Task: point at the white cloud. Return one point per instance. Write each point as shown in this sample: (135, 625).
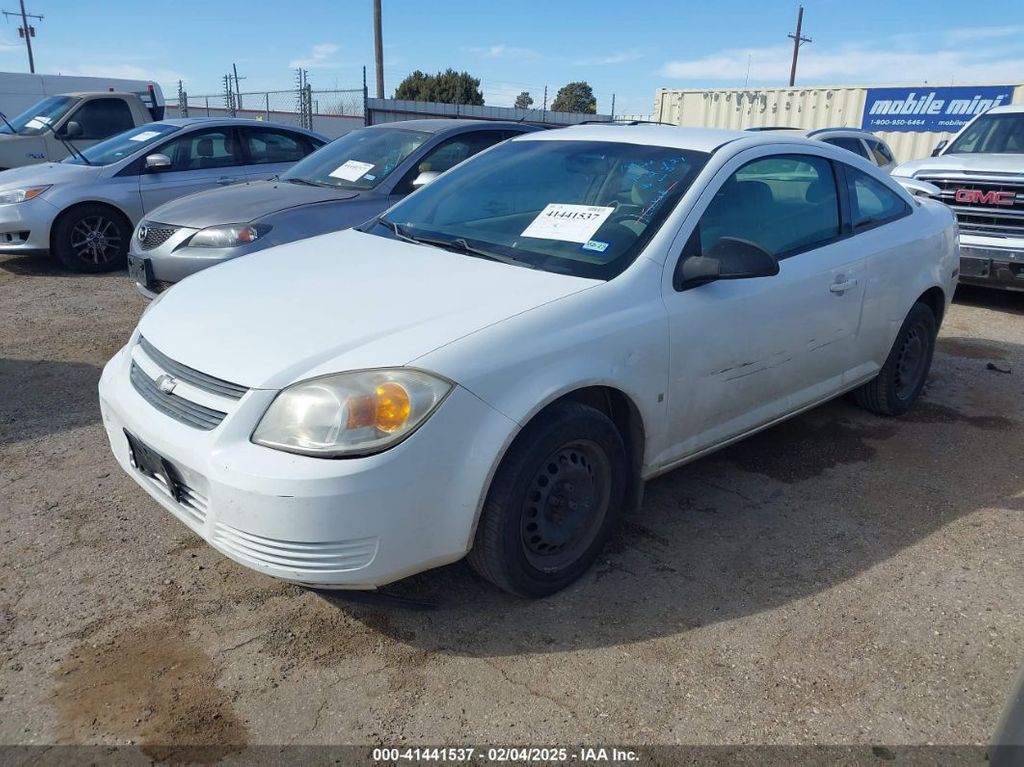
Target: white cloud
(503, 51)
(907, 59)
(319, 57)
(614, 58)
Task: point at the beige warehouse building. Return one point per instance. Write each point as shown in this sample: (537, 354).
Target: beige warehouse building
(938, 110)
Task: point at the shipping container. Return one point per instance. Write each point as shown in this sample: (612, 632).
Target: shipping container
(833, 107)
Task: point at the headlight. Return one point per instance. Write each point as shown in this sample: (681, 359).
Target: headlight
(350, 413)
(228, 235)
(20, 195)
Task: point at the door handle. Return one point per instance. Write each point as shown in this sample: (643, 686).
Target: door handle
(225, 180)
(842, 287)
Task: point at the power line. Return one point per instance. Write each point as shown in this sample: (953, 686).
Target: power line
(26, 31)
(798, 40)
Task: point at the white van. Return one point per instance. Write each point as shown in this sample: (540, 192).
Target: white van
(19, 91)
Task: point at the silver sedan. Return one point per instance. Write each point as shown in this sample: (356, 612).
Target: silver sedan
(83, 210)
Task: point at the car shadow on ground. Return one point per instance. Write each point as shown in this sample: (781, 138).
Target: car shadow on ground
(41, 397)
(1009, 301)
(45, 266)
(782, 516)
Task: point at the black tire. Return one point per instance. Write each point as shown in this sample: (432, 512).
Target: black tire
(92, 238)
(554, 500)
(902, 377)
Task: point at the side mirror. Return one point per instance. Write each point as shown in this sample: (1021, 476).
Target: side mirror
(72, 130)
(157, 162)
(918, 188)
(728, 259)
(939, 147)
(424, 178)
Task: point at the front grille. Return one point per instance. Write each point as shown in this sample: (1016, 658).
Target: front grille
(183, 372)
(170, 404)
(301, 557)
(977, 212)
(156, 235)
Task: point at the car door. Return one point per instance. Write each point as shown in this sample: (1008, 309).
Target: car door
(270, 151)
(446, 155)
(200, 159)
(746, 352)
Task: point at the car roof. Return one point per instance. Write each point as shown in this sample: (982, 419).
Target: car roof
(1007, 109)
(436, 125)
(697, 139)
(189, 122)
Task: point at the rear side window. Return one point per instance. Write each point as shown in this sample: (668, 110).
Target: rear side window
(270, 146)
(880, 152)
(785, 204)
(873, 202)
(102, 118)
(849, 144)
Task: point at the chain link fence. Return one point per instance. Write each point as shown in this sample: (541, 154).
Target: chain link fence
(331, 112)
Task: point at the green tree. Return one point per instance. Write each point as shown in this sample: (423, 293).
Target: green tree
(575, 97)
(448, 87)
(524, 100)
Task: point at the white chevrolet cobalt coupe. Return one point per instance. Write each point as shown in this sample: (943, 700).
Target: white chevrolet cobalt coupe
(495, 365)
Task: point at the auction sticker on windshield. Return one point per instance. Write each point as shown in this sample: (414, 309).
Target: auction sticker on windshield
(567, 223)
(146, 135)
(351, 170)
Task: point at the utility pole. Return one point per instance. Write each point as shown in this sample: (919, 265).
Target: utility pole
(798, 40)
(26, 31)
(238, 91)
(378, 48)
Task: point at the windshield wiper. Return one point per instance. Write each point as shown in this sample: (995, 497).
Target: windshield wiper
(460, 245)
(8, 123)
(72, 149)
(307, 182)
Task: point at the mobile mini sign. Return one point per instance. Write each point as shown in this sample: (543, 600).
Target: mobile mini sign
(930, 110)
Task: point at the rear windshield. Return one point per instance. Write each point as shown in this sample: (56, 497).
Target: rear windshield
(991, 134)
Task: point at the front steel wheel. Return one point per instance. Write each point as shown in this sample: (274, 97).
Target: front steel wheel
(554, 500)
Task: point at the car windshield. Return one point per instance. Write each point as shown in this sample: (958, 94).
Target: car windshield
(39, 117)
(358, 160)
(584, 208)
(123, 144)
(992, 134)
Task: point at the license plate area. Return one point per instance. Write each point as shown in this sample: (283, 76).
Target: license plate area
(140, 270)
(974, 267)
(151, 464)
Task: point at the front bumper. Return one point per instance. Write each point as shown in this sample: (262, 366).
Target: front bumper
(992, 262)
(353, 523)
(25, 226)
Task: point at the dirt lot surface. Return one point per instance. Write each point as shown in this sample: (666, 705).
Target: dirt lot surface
(838, 579)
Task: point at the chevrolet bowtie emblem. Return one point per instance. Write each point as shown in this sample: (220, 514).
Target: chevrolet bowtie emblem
(166, 383)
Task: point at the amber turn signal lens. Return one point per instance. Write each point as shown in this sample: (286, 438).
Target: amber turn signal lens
(393, 406)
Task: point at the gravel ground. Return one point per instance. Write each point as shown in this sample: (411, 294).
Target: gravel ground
(838, 579)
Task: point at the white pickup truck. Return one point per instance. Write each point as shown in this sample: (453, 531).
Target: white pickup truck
(59, 125)
(980, 175)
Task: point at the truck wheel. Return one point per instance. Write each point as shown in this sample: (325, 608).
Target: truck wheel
(554, 500)
(898, 384)
(92, 238)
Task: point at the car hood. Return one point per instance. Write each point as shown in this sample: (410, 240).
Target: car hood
(964, 163)
(242, 202)
(342, 301)
(48, 173)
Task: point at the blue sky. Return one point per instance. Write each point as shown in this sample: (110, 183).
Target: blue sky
(620, 47)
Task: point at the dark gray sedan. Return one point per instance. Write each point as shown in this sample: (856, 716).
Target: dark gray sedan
(341, 185)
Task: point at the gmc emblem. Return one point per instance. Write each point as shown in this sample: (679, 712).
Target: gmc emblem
(984, 198)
